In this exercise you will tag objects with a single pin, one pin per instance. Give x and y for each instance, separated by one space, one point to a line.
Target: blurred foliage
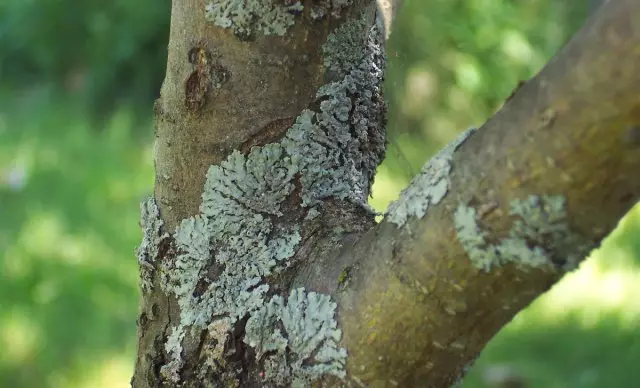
69 194
68 226
453 62
99 52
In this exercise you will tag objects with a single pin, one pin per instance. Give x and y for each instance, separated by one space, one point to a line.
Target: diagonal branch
498 217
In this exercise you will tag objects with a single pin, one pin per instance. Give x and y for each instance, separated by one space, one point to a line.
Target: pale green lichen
297 341
429 187
258 184
312 213
173 346
247 17
339 147
539 237
226 251
246 250
147 252
321 8
344 48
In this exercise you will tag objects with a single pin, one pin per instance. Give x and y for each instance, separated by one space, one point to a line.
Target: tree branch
498 217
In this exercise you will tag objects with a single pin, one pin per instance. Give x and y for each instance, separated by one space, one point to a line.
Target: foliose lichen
245 252
247 17
173 347
312 213
344 48
429 187
232 244
147 252
258 183
321 8
539 237
338 148
297 341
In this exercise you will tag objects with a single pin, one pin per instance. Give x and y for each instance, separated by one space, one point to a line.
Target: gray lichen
321 8
312 213
427 188
231 245
259 183
246 250
338 148
247 17
147 252
297 341
344 48
539 237
173 346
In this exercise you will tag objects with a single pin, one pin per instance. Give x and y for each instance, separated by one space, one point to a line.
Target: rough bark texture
264 266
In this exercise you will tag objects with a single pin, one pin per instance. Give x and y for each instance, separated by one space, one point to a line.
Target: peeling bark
264 266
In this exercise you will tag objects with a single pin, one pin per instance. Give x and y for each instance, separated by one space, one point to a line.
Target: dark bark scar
207 75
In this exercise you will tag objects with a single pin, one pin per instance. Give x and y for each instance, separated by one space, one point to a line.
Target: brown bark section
416 311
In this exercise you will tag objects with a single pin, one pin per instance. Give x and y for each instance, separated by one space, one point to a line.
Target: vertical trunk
269 128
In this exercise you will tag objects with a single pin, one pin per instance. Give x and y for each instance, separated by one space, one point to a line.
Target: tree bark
262 264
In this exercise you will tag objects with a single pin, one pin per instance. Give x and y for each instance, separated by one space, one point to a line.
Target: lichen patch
333 8
297 341
344 48
429 187
248 17
153 235
539 237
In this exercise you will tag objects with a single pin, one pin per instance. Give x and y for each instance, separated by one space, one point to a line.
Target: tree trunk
262 264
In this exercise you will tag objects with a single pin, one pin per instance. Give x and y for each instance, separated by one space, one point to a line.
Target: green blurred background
77 81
